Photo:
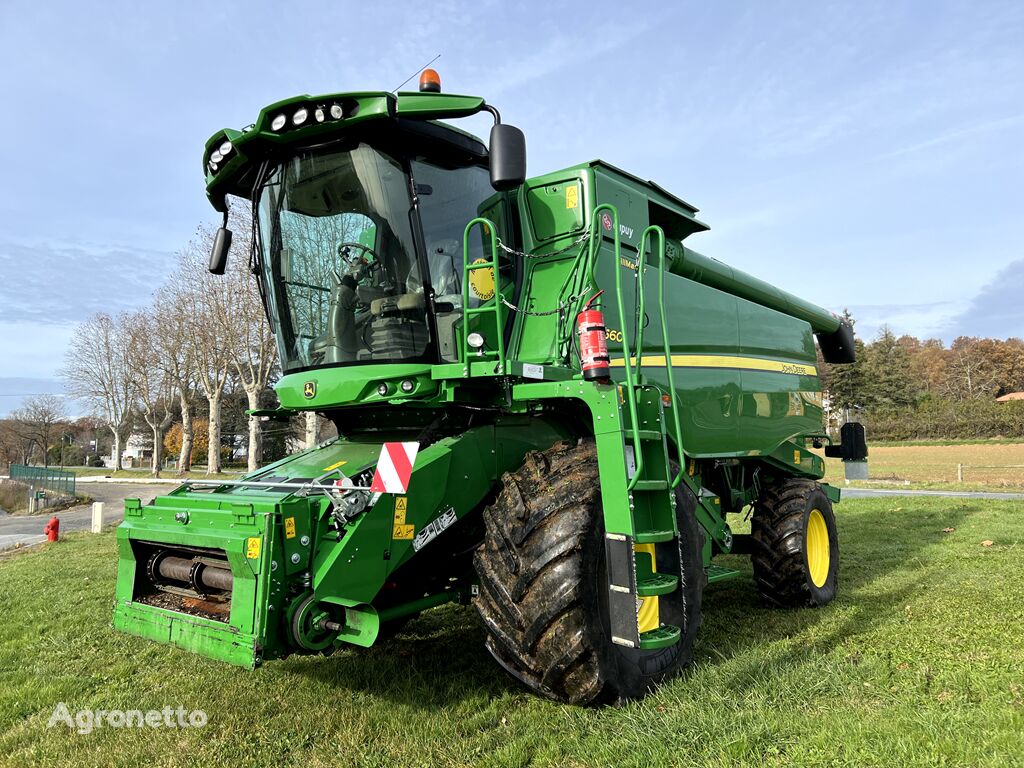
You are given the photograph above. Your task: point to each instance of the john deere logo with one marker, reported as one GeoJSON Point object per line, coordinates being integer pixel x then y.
{"type": "Point", "coordinates": [309, 389]}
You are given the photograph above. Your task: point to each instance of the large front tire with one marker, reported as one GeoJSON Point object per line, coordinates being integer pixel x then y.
{"type": "Point", "coordinates": [543, 585]}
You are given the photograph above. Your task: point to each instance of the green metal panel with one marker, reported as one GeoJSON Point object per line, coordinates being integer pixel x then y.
{"type": "Point", "coordinates": [555, 206]}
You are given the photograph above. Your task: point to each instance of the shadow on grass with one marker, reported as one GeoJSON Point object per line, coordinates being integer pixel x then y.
{"type": "Point", "coordinates": [437, 660]}
{"type": "Point", "coordinates": [874, 547]}
{"type": "Point", "coordinates": [440, 659]}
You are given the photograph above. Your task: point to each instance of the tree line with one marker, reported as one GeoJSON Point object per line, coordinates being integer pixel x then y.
{"type": "Point", "coordinates": [201, 341]}
{"type": "Point", "coordinates": [905, 388]}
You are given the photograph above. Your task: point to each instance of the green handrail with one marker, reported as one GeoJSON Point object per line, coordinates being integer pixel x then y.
{"type": "Point", "coordinates": [497, 308]}
{"type": "Point", "coordinates": [595, 244]}
{"type": "Point", "coordinates": [676, 405]}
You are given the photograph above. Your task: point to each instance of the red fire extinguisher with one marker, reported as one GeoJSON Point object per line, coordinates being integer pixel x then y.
{"type": "Point", "coordinates": [52, 529]}
{"type": "Point", "coordinates": [593, 343]}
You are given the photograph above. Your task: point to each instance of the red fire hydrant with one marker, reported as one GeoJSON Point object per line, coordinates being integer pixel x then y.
{"type": "Point", "coordinates": [52, 529]}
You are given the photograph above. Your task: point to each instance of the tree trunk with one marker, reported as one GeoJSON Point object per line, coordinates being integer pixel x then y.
{"type": "Point", "coordinates": [255, 431]}
{"type": "Point", "coordinates": [157, 445]}
{"type": "Point", "coordinates": [312, 422]}
{"type": "Point", "coordinates": [116, 450]}
{"type": "Point", "coordinates": [185, 454]}
{"type": "Point", "coordinates": [213, 452]}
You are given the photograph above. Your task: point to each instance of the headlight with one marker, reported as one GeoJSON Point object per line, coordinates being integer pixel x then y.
{"type": "Point", "coordinates": [408, 386]}
{"type": "Point", "coordinates": [277, 123]}
{"type": "Point", "coordinates": [319, 115]}
{"type": "Point", "coordinates": [336, 112]}
{"type": "Point", "coordinates": [300, 116]}
{"type": "Point", "coordinates": [382, 389]}
{"type": "Point", "coordinates": [475, 340]}
{"type": "Point", "coordinates": [225, 147]}
{"type": "Point", "coordinates": [216, 156]}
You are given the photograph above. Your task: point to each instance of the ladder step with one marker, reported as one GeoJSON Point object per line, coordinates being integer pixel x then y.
{"type": "Point", "coordinates": [651, 485]}
{"type": "Point", "coordinates": [662, 637]}
{"type": "Point", "coordinates": [653, 537]}
{"type": "Point", "coordinates": [718, 573]}
{"type": "Point", "coordinates": [650, 434]}
{"type": "Point", "coordinates": [656, 584]}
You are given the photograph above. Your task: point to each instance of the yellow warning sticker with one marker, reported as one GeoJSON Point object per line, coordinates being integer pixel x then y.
{"type": "Point", "coordinates": [572, 196]}
{"type": "Point", "coordinates": [796, 457]}
{"type": "Point", "coordinates": [403, 531]}
{"type": "Point", "coordinates": [252, 548]}
{"type": "Point", "coordinates": [289, 527]}
{"type": "Point", "coordinates": [335, 466]}
{"type": "Point", "coordinates": [400, 505]}
{"type": "Point", "coordinates": [481, 281]}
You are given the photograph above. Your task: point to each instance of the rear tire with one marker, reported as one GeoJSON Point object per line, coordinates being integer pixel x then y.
{"type": "Point", "coordinates": [543, 584]}
{"type": "Point", "coordinates": [796, 545]}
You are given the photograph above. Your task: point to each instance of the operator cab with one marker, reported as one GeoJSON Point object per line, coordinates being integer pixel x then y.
{"type": "Point", "coordinates": [360, 247]}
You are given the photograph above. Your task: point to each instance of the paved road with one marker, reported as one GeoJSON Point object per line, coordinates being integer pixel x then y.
{"type": "Point", "coordinates": [864, 493]}
{"type": "Point", "coordinates": [25, 530]}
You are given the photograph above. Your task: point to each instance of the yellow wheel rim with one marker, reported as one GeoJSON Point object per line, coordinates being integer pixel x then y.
{"type": "Point", "coordinates": [647, 613]}
{"type": "Point", "coordinates": [818, 555]}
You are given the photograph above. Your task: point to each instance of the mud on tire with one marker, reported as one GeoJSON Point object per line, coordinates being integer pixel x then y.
{"type": "Point", "coordinates": [542, 584]}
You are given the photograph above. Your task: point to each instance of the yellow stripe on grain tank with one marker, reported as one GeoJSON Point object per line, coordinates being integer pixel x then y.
{"type": "Point", "coordinates": [724, 361]}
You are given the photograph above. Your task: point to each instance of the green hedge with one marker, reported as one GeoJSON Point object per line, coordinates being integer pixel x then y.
{"type": "Point", "coordinates": [947, 419]}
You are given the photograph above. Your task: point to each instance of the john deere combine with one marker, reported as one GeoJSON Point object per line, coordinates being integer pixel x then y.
{"type": "Point", "coordinates": [547, 405]}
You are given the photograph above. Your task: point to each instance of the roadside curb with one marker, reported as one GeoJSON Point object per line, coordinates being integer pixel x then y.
{"type": "Point", "coordinates": [130, 480]}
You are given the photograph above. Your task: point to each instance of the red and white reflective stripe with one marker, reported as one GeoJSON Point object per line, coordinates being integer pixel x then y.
{"type": "Point", "coordinates": [394, 467]}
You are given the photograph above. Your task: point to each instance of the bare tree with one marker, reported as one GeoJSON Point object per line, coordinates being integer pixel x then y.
{"type": "Point", "coordinates": [38, 421]}
{"type": "Point", "coordinates": [172, 329]}
{"type": "Point", "coordinates": [206, 302]}
{"type": "Point", "coordinates": [14, 448]}
{"type": "Point", "coordinates": [970, 372]}
{"type": "Point", "coordinates": [96, 372]}
{"type": "Point", "coordinates": [156, 385]}
{"type": "Point", "coordinates": [253, 348]}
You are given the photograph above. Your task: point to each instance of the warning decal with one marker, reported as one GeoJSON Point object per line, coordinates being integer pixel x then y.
{"type": "Point", "coordinates": [433, 529]}
{"type": "Point", "coordinates": [572, 196]}
{"type": "Point", "coordinates": [289, 527]}
{"type": "Point", "coordinates": [399, 529]}
{"type": "Point", "coordinates": [252, 548]}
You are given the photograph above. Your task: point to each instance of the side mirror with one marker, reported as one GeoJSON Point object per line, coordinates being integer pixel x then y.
{"type": "Point", "coordinates": [508, 157]}
{"type": "Point", "coordinates": [219, 253]}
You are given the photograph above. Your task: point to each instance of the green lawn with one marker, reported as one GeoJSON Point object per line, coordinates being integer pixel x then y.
{"type": "Point", "coordinates": [143, 473]}
{"type": "Point", "coordinates": [920, 661]}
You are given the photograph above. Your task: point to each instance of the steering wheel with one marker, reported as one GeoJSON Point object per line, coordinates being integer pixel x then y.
{"type": "Point", "coordinates": [353, 261]}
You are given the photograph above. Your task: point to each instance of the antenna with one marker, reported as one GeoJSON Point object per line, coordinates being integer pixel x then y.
{"type": "Point", "coordinates": [410, 77]}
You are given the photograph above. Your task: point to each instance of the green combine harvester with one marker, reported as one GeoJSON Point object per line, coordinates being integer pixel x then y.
{"type": "Point", "coordinates": [547, 406]}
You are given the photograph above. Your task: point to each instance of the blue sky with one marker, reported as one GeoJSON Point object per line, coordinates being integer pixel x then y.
{"type": "Point", "coordinates": [863, 155]}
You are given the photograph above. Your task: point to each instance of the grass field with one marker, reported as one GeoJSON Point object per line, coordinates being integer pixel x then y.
{"type": "Point", "coordinates": [143, 473]}
{"type": "Point", "coordinates": [935, 466]}
{"type": "Point", "coordinates": [919, 662]}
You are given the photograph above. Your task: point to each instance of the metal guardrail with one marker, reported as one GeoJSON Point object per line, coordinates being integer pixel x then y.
{"type": "Point", "coordinates": [56, 480]}
{"type": "Point", "coordinates": [493, 306]}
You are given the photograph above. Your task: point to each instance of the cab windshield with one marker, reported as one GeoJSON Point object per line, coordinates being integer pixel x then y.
{"type": "Point", "coordinates": [340, 273]}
